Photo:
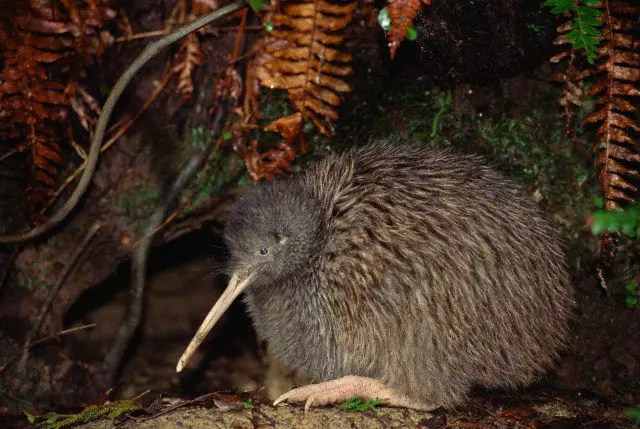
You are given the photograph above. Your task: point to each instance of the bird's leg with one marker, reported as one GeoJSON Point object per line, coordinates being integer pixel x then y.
{"type": "Point", "coordinates": [342, 389]}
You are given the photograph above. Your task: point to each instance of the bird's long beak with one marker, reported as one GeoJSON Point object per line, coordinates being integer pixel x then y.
{"type": "Point", "coordinates": [233, 290]}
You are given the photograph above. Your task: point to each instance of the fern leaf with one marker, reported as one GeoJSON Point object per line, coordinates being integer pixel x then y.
{"type": "Point", "coordinates": [402, 13]}
{"type": "Point", "coordinates": [582, 33]}
{"type": "Point", "coordinates": [302, 55]}
{"type": "Point", "coordinates": [617, 153]}
{"type": "Point", "coordinates": [36, 37]}
{"type": "Point", "coordinates": [189, 57]}
{"type": "Point", "coordinates": [569, 78]}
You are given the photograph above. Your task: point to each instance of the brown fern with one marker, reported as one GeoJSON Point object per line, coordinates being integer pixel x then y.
{"type": "Point", "coordinates": [36, 37]}
{"type": "Point", "coordinates": [301, 55]}
{"type": "Point", "coordinates": [617, 154]}
{"type": "Point", "coordinates": [189, 57]}
{"type": "Point", "coordinates": [570, 79]}
{"type": "Point", "coordinates": [402, 13]}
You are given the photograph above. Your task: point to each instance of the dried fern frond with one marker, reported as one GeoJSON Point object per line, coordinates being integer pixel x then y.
{"type": "Point", "coordinates": [569, 78]}
{"type": "Point", "coordinates": [302, 55]}
{"type": "Point", "coordinates": [188, 58]}
{"type": "Point", "coordinates": [36, 36]}
{"type": "Point", "coordinates": [190, 55]}
{"type": "Point", "coordinates": [617, 154]}
{"type": "Point", "coordinates": [84, 105]}
{"type": "Point", "coordinates": [582, 35]}
{"type": "Point", "coordinates": [401, 14]}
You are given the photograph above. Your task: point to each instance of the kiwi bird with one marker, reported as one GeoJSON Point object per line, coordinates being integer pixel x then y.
{"type": "Point", "coordinates": [398, 273]}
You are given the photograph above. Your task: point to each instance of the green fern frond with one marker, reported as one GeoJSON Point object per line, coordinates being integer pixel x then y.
{"type": "Point", "coordinates": [111, 410]}
{"type": "Point", "coordinates": [585, 34]}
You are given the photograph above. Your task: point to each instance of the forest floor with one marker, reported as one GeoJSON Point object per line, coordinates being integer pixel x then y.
{"type": "Point", "coordinates": [252, 411]}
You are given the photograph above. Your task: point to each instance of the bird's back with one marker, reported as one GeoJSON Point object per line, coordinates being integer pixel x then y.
{"type": "Point", "coordinates": [438, 261]}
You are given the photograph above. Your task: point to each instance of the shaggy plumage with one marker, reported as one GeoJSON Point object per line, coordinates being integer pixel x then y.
{"type": "Point", "coordinates": [423, 270]}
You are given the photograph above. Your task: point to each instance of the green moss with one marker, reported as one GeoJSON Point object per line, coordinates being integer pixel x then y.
{"type": "Point", "coordinates": [139, 201]}
{"type": "Point", "coordinates": [110, 410]}
{"type": "Point", "coordinates": [248, 404]}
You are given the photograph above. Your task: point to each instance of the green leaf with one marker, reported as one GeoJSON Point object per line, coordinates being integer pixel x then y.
{"type": "Point", "coordinates": [584, 10]}
{"type": "Point", "coordinates": [51, 418]}
{"type": "Point", "coordinates": [30, 417]}
{"type": "Point", "coordinates": [631, 287]}
{"type": "Point", "coordinates": [255, 5]}
{"type": "Point", "coordinates": [226, 135]}
{"type": "Point", "coordinates": [268, 26]}
{"type": "Point", "coordinates": [598, 202]}
{"type": "Point", "coordinates": [356, 404]}
{"type": "Point", "coordinates": [633, 413]}
{"type": "Point", "coordinates": [384, 19]}
{"type": "Point", "coordinates": [562, 9]}
{"type": "Point", "coordinates": [584, 34]}
{"type": "Point", "coordinates": [412, 34]}
{"type": "Point", "coordinates": [631, 301]}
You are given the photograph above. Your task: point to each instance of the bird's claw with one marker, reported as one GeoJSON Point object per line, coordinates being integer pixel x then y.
{"type": "Point", "coordinates": [309, 401]}
{"type": "Point", "coordinates": [328, 392]}
{"type": "Point", "coordinates": [345, 388]}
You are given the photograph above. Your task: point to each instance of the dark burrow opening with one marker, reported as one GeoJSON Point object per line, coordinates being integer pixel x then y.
{"type": "Point", "coordinates": [184, 279]}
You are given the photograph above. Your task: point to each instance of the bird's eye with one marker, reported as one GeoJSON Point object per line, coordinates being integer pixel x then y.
{"type": "Point", "coordinates": [264, 251]}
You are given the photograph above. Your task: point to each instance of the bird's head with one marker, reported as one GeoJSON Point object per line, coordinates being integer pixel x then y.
{"type": "Point", "coordinates": [271, 232]}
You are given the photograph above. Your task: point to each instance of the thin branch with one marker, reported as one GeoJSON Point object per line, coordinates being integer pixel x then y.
{"type": "Point", "coordinates": [53, 292]}
{"type": "Point", "coordinates": [7, 268]}
{"type": "Point", "coordinates": [212, 30]}
{"type": "Point", "coordinates": [11, 152]}
{"type": "Point", "coordinates": [48, 338]}
{"type": "Point", "coordinates": [123, 128]}
{"type": "Point", "coordinates": [63, 332]}
{"type": "Point", "coordinates": [171, 217]}
{"type": "Point", "coordinates": [139, 260]}
{"type": "Point", "coordinates": [141, 35]}
{"type": "Point", "coordinates": [175, 407]}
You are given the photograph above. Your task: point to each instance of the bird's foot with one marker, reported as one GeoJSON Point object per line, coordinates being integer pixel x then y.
{"type": "Point", "coordinates": [342, 389]}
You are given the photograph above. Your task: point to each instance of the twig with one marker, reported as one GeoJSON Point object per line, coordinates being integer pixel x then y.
{"type": "Point", "coordinates": [141, 35]}
{"type": "Point", "coordinates": [53, 292]}
{"type": "Point", "coordinates": [11, 152]}
{"type": "Point", "coordinates": [47, 338]}
{"type": "Point", "coordinates": [139, 259]}
{"type": "Point", "coordinates": [171, 217]}
{"type": "Point", "coordinates": [212, 30]}
{"type": "Point", "coordinates": [63, 332]}
{"type": "Point", "coordinates": [123, 127]}
{"type": "Point", "coordinates": [5, 272]}
{"type": "Point", "coordinates": [234, 28]}
{"type": "Point", "coordinates": [238, 44]}
{"type": "Point", "coordinates": [175, 407]}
